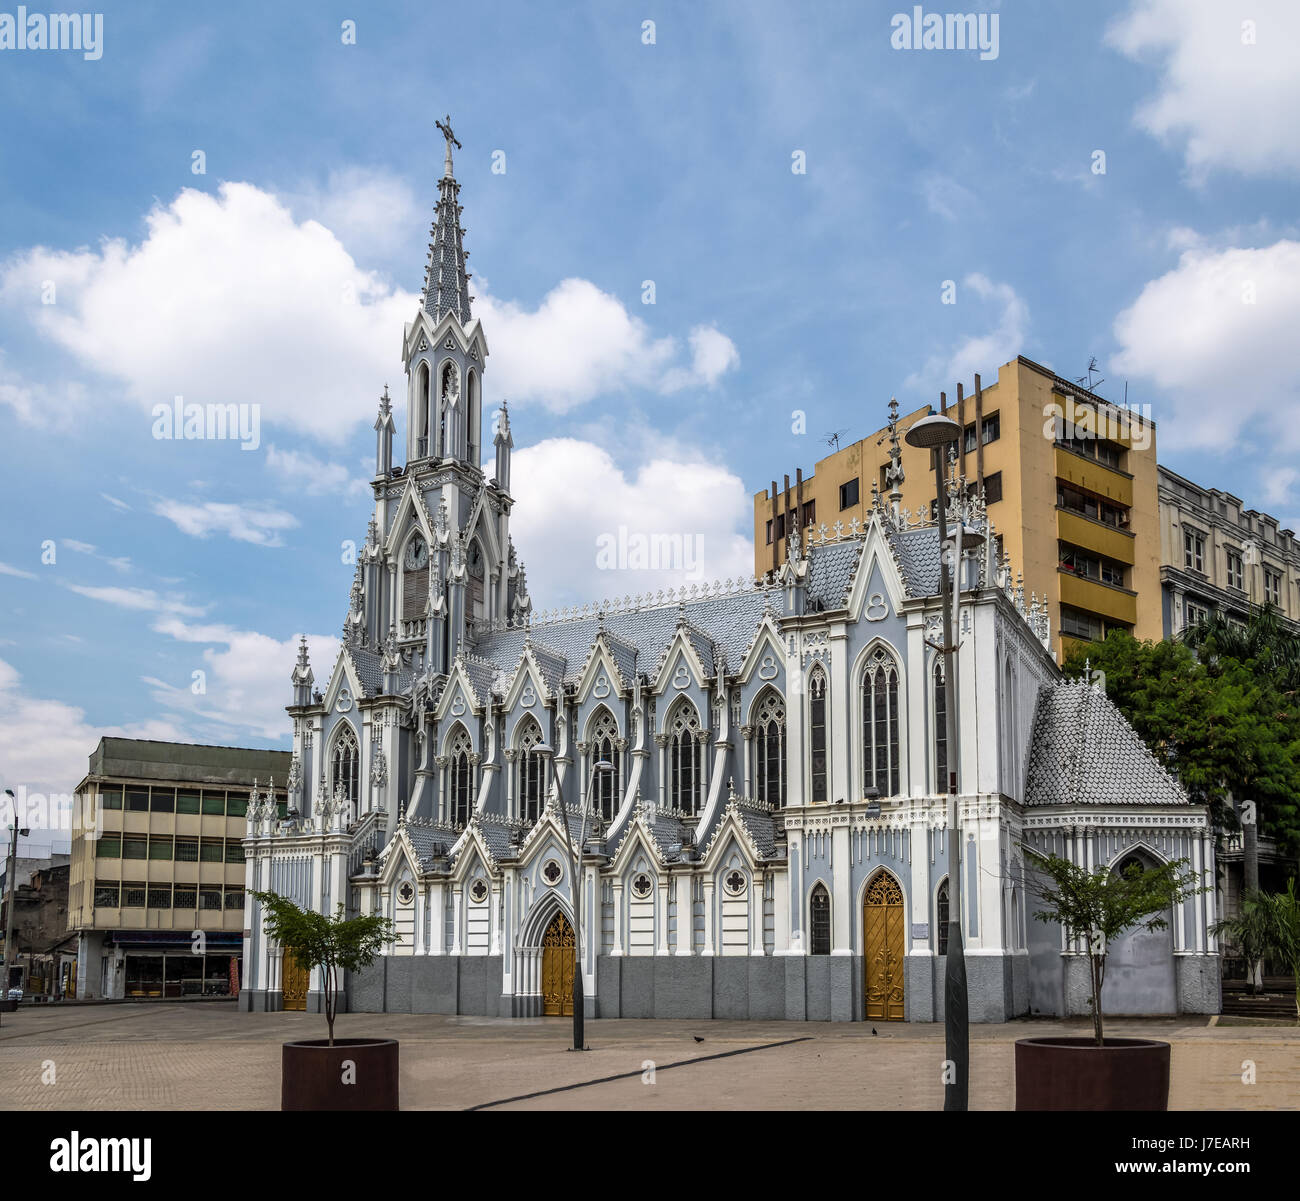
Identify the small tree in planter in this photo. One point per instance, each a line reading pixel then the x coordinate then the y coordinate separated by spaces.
pixel 1251 933
pixel 1098 906
pixel 330 943
pixel 1282 930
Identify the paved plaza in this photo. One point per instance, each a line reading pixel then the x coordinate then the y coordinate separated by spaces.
pixel 208 1056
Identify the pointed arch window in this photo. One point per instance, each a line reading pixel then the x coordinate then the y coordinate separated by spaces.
pixel 422 411
pixel 604 745
pixel 769 749
pixel 460 777
pixel 343 766
pixel 447 391
pixel 531 770
pixel 819 921
pixel 817 734
pixel 415 578
pixel 880 757
pixel 684 759
pixel 473 417
pixel 941 917
pixel 940 728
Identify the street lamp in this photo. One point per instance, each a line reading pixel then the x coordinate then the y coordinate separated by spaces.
pixel 600 767
pixel 936 433
pixel 10 872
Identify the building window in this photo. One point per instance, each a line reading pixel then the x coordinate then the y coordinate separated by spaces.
pixel 769 749
pixel 940 729
pixel 109 846
pixel 1090 566
pixel 684 759
pixel 769 533
pixel 849 494
pixel 135 848
pixel 819 921
pixel 808 515
pixel 993 488
pixel 214 802
pixel 880 724
pixel 1273 587
pixel 817 734
pixel 185 897
pixel 160 846
pixel 460 777
pixel 604 745
pixel 133 894
pixel 187 802
pixel 111 798
pixel 187 850
pixel 1196 614
pixel 1074 500
pixel 108 894
pixel 968 439
pixel 162 800
pixel 1236 572
pixel 1075 623
pixel 160 896
pixel 1085 442
pixel 941 917
pixel 1194 550
pixel 137 800
pixel 210 898
pixel 344 764
pixel 531 769
pixel 212 850
pixel 234 851
pixel 991 430
pixel 234 898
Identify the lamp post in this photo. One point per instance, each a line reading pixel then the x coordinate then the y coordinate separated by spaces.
pixel 600 767
pixel 10 872
pixel 936 433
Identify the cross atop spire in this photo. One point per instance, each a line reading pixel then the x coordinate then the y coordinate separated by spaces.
pixel 446 282
pixel 445 128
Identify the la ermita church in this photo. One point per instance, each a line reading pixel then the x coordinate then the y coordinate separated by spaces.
pixel 772 838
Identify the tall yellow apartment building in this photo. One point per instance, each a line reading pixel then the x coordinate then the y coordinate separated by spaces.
pixel 1070 480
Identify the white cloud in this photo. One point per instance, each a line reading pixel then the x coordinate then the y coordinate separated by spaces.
pixel 945 197
pixel 580 343
pixel 141 600
pixel 372 211
pixel 117 562
pixel 1220 361
pixel 243 523
pixel 120 505
pixel 694 508
pixel 6 569
pixel 1222 97
pixel 307 474
pixel 984 353
pixel 45 744
pixel 246 684
pixel 315 332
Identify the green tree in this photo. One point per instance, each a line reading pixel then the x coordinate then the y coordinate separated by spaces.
pixel 1219 727
pixel 1250 932
pixel 330 943
pixel 1098 906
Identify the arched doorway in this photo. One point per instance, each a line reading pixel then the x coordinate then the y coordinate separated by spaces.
pixel 882 941
pixel 557 968
pixel 294 982
pixel 1140 963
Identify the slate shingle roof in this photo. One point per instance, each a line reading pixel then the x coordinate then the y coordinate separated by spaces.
pixel 429 840
pixel 917 553
pixel 830 571
pixel 370 669
pixel 1083 752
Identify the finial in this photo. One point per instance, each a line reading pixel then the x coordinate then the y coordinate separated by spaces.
pixel 444 127
pixel 302 652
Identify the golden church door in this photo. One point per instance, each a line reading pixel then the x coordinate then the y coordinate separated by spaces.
pixel 882 926
pixel 557 968
pixel 294 982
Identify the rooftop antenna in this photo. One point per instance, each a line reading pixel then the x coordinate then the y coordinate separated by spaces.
pixel 1087 379
pixel 833 438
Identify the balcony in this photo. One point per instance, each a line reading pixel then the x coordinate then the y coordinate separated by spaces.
pixel 1095 536
pixel 1115 485
pixel 1092 596
pixel 410 631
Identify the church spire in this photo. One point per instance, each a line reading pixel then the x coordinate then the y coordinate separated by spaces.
pixel 446 282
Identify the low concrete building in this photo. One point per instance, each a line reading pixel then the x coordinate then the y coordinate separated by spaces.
pixel 156 886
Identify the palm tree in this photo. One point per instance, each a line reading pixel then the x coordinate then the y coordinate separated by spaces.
pixel 1282 922
pixel 1250 932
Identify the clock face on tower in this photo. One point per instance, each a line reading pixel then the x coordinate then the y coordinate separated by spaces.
pixel 417 553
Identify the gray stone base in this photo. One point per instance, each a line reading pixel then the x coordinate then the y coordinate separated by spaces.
pixel 825 988
pixel 1199 980
pixel 252 1000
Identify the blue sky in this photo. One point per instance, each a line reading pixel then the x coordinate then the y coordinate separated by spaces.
pixel 281 275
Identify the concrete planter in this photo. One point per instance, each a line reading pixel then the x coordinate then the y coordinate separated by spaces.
pixel 353 1074
pixel 1076 1074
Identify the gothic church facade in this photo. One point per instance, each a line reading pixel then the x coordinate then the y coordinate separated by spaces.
pixel 754 771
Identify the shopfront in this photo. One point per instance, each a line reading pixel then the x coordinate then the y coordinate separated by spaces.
pixel 161 965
